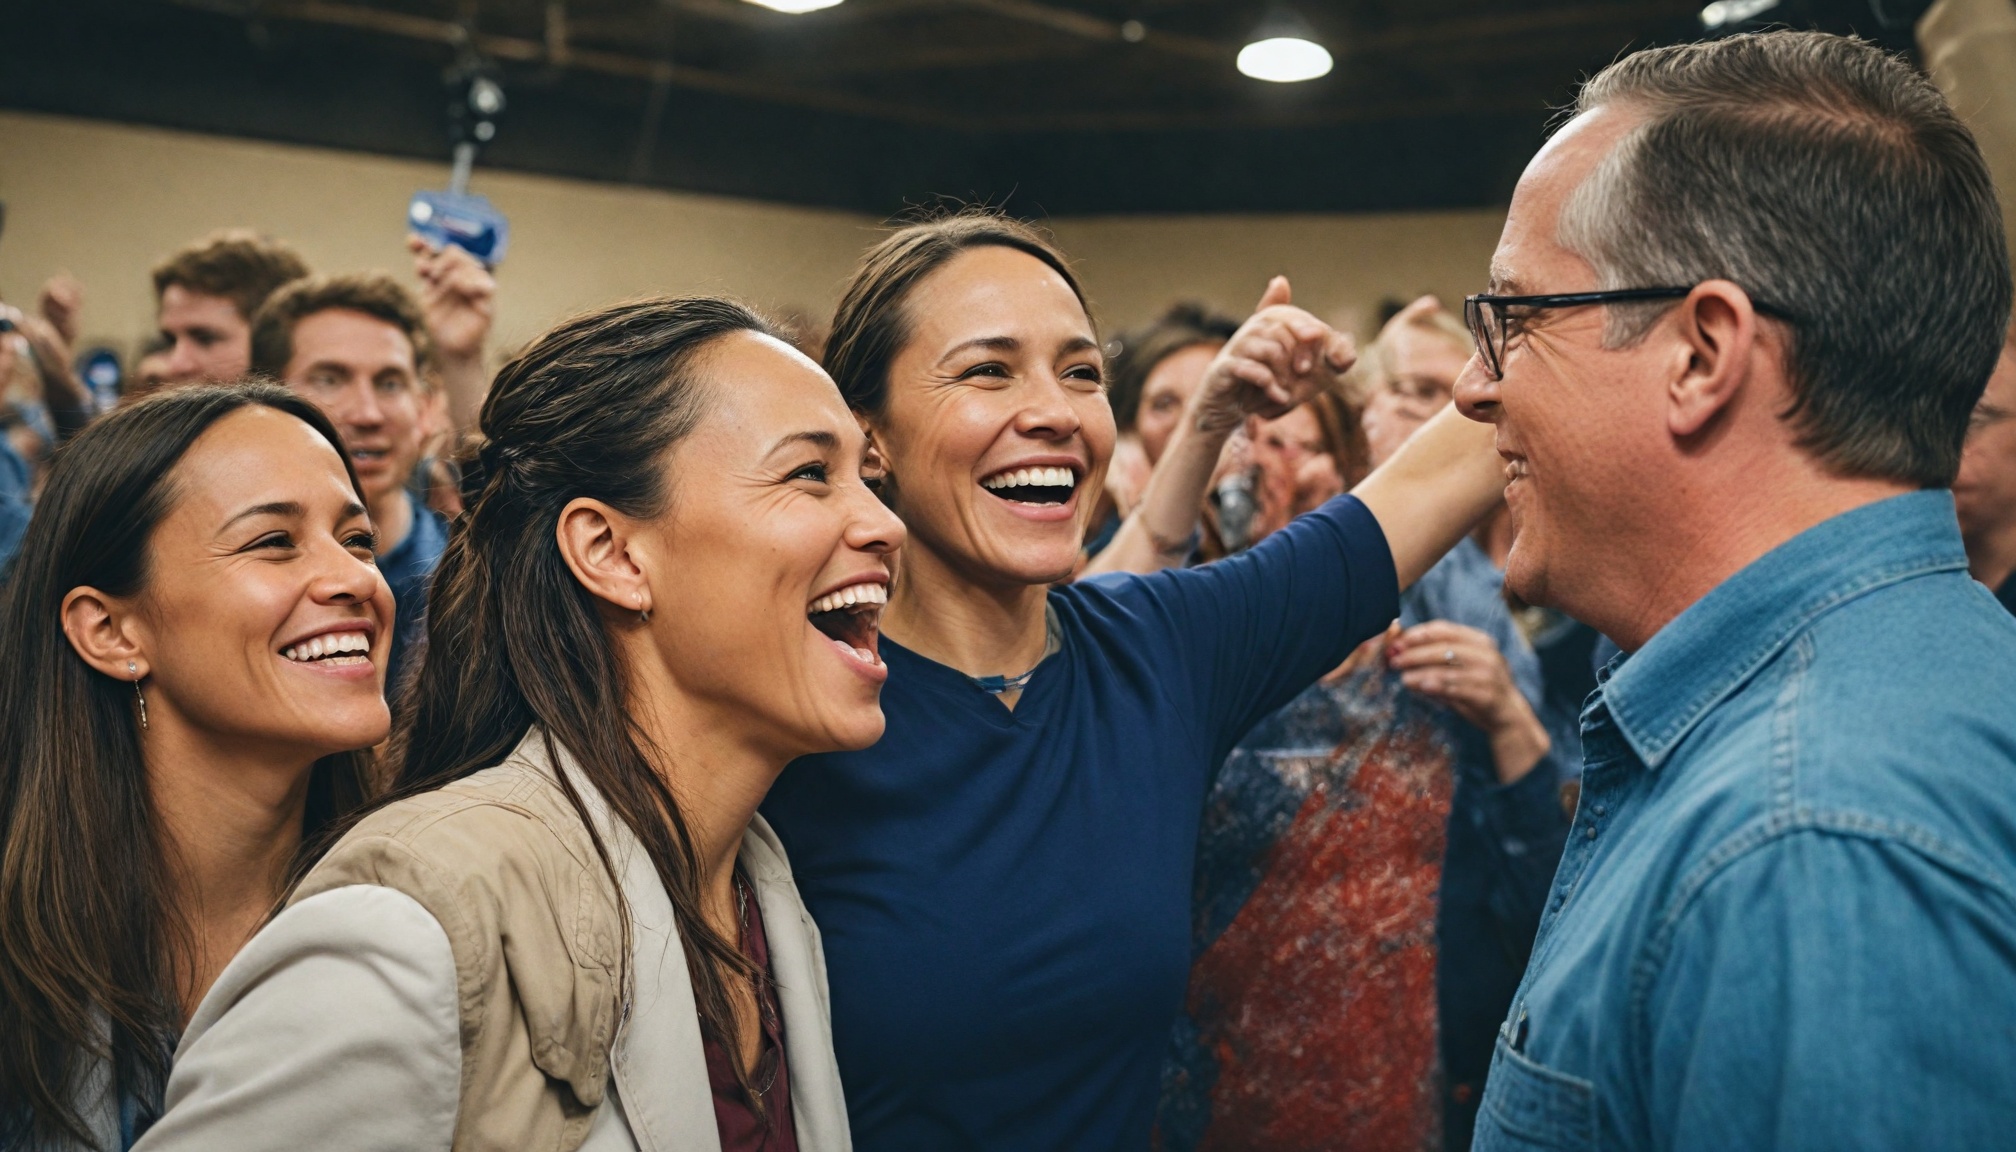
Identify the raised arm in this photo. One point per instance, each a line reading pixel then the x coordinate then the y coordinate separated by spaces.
pixel 1436 488
pixel 458 296
pixel 1279 358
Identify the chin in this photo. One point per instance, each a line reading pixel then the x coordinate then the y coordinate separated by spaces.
pixel 1526 574
pixel 849 730
pixel 1046 562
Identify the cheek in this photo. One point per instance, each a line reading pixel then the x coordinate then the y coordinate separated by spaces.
pixel 214 637
pixel 1095 418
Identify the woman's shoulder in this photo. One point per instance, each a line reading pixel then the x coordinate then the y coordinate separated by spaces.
pixel 489 856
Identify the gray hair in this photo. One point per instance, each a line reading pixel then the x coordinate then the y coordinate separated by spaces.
pixel 1833 183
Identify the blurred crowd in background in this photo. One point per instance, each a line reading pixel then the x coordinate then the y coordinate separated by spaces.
pixel 1375 856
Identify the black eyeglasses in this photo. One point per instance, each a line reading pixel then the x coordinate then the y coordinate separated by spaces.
pixel 1489 318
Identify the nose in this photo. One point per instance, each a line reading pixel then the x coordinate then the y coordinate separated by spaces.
pixel 341 578
pixel 1477 393
pixel 357 405
pixel 182 362
pixel 871 526
pixel 1049 415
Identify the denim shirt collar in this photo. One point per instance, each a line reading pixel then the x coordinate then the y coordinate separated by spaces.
pixel 1657 695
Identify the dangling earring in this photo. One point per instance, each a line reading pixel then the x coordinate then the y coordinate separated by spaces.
pixel 133 670
pixel 643 613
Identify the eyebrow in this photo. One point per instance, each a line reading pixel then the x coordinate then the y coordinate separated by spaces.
pixel 995 343
pixel 1010 344
pixel 1503 283
pixel 276 508
pixel 823 439
pixel 290 508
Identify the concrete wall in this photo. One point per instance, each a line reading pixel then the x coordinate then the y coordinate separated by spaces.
pixel 105 201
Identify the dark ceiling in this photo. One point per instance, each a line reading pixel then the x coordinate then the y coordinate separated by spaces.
pixel 1059 107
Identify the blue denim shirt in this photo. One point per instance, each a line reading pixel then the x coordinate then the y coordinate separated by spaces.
pixel 1786 917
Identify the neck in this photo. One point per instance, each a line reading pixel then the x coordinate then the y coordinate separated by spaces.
pixel 992 629
pixel 711 761
pixel 230 823
pixel 1707 533
pixel 392 515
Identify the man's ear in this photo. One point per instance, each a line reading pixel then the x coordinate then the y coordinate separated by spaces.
pixel 600 549
pixel 106 633
pixel 1717 330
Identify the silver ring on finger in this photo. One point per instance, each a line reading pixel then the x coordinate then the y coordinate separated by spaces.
pixel 1449 657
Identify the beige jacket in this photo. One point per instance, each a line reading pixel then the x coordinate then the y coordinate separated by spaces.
pixel 448 976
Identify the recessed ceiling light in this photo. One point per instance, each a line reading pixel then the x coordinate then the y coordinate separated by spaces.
pixel 1285 59
pixel 795 7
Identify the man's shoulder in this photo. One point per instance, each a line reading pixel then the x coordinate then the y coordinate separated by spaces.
pixel 1892 719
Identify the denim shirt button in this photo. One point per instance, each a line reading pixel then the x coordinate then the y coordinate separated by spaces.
pixel 1592 831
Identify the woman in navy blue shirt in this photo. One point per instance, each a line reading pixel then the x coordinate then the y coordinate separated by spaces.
pixel 1003 882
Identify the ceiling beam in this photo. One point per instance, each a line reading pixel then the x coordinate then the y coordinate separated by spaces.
pixel 333 13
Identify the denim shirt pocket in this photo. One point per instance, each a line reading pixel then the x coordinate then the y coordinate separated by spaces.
pixel 1529 1106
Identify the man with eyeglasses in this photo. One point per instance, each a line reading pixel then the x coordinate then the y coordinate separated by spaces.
pixel 1743 306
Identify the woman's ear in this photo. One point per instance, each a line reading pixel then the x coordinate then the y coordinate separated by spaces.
pixel 106 633
pixel 598 545
pixel 875 470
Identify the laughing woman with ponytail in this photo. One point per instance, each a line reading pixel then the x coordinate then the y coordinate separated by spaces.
pixel 567 927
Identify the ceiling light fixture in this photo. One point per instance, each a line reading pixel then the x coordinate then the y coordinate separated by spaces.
pixel 794 7
pixel 1284 50
pixel 1725 13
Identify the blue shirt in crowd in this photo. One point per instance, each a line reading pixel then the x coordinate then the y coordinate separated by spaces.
pixel 1504 843
pixel 1005 895
pixel 16 482
pixel 408 568
pixel 1786 917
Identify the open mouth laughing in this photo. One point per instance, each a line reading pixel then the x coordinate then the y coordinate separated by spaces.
pixel 850 617
pixel 1039 486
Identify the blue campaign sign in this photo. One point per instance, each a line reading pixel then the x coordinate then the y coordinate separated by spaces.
pixel 465 220
pixel 102 374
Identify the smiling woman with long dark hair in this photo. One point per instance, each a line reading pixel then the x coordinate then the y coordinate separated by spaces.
pixel 193 639
pixel 568 928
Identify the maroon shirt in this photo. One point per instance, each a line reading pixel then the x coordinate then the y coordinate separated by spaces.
pixel 741 1129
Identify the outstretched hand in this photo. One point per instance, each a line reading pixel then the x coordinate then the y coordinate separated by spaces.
pixel 1279 358
pixel 458 298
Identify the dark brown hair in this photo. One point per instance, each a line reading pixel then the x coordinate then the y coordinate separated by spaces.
pixel 89 935
pixel 241 266
pixel 1343 435
pixel 373 293
pixel 871 326
pixel 590 409
pixel 1184 325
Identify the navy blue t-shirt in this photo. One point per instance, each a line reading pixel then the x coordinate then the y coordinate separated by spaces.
pixel 409 569
pixel 1005 896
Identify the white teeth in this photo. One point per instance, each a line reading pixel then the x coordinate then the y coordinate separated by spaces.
pixel 1050 477
pixel 330 646
pixel 850 596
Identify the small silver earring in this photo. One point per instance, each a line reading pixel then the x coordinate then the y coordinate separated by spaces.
pixel 643 613
pixel 133 670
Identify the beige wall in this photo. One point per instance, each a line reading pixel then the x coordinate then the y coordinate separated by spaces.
pixel 1339 266
pixel 105 201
